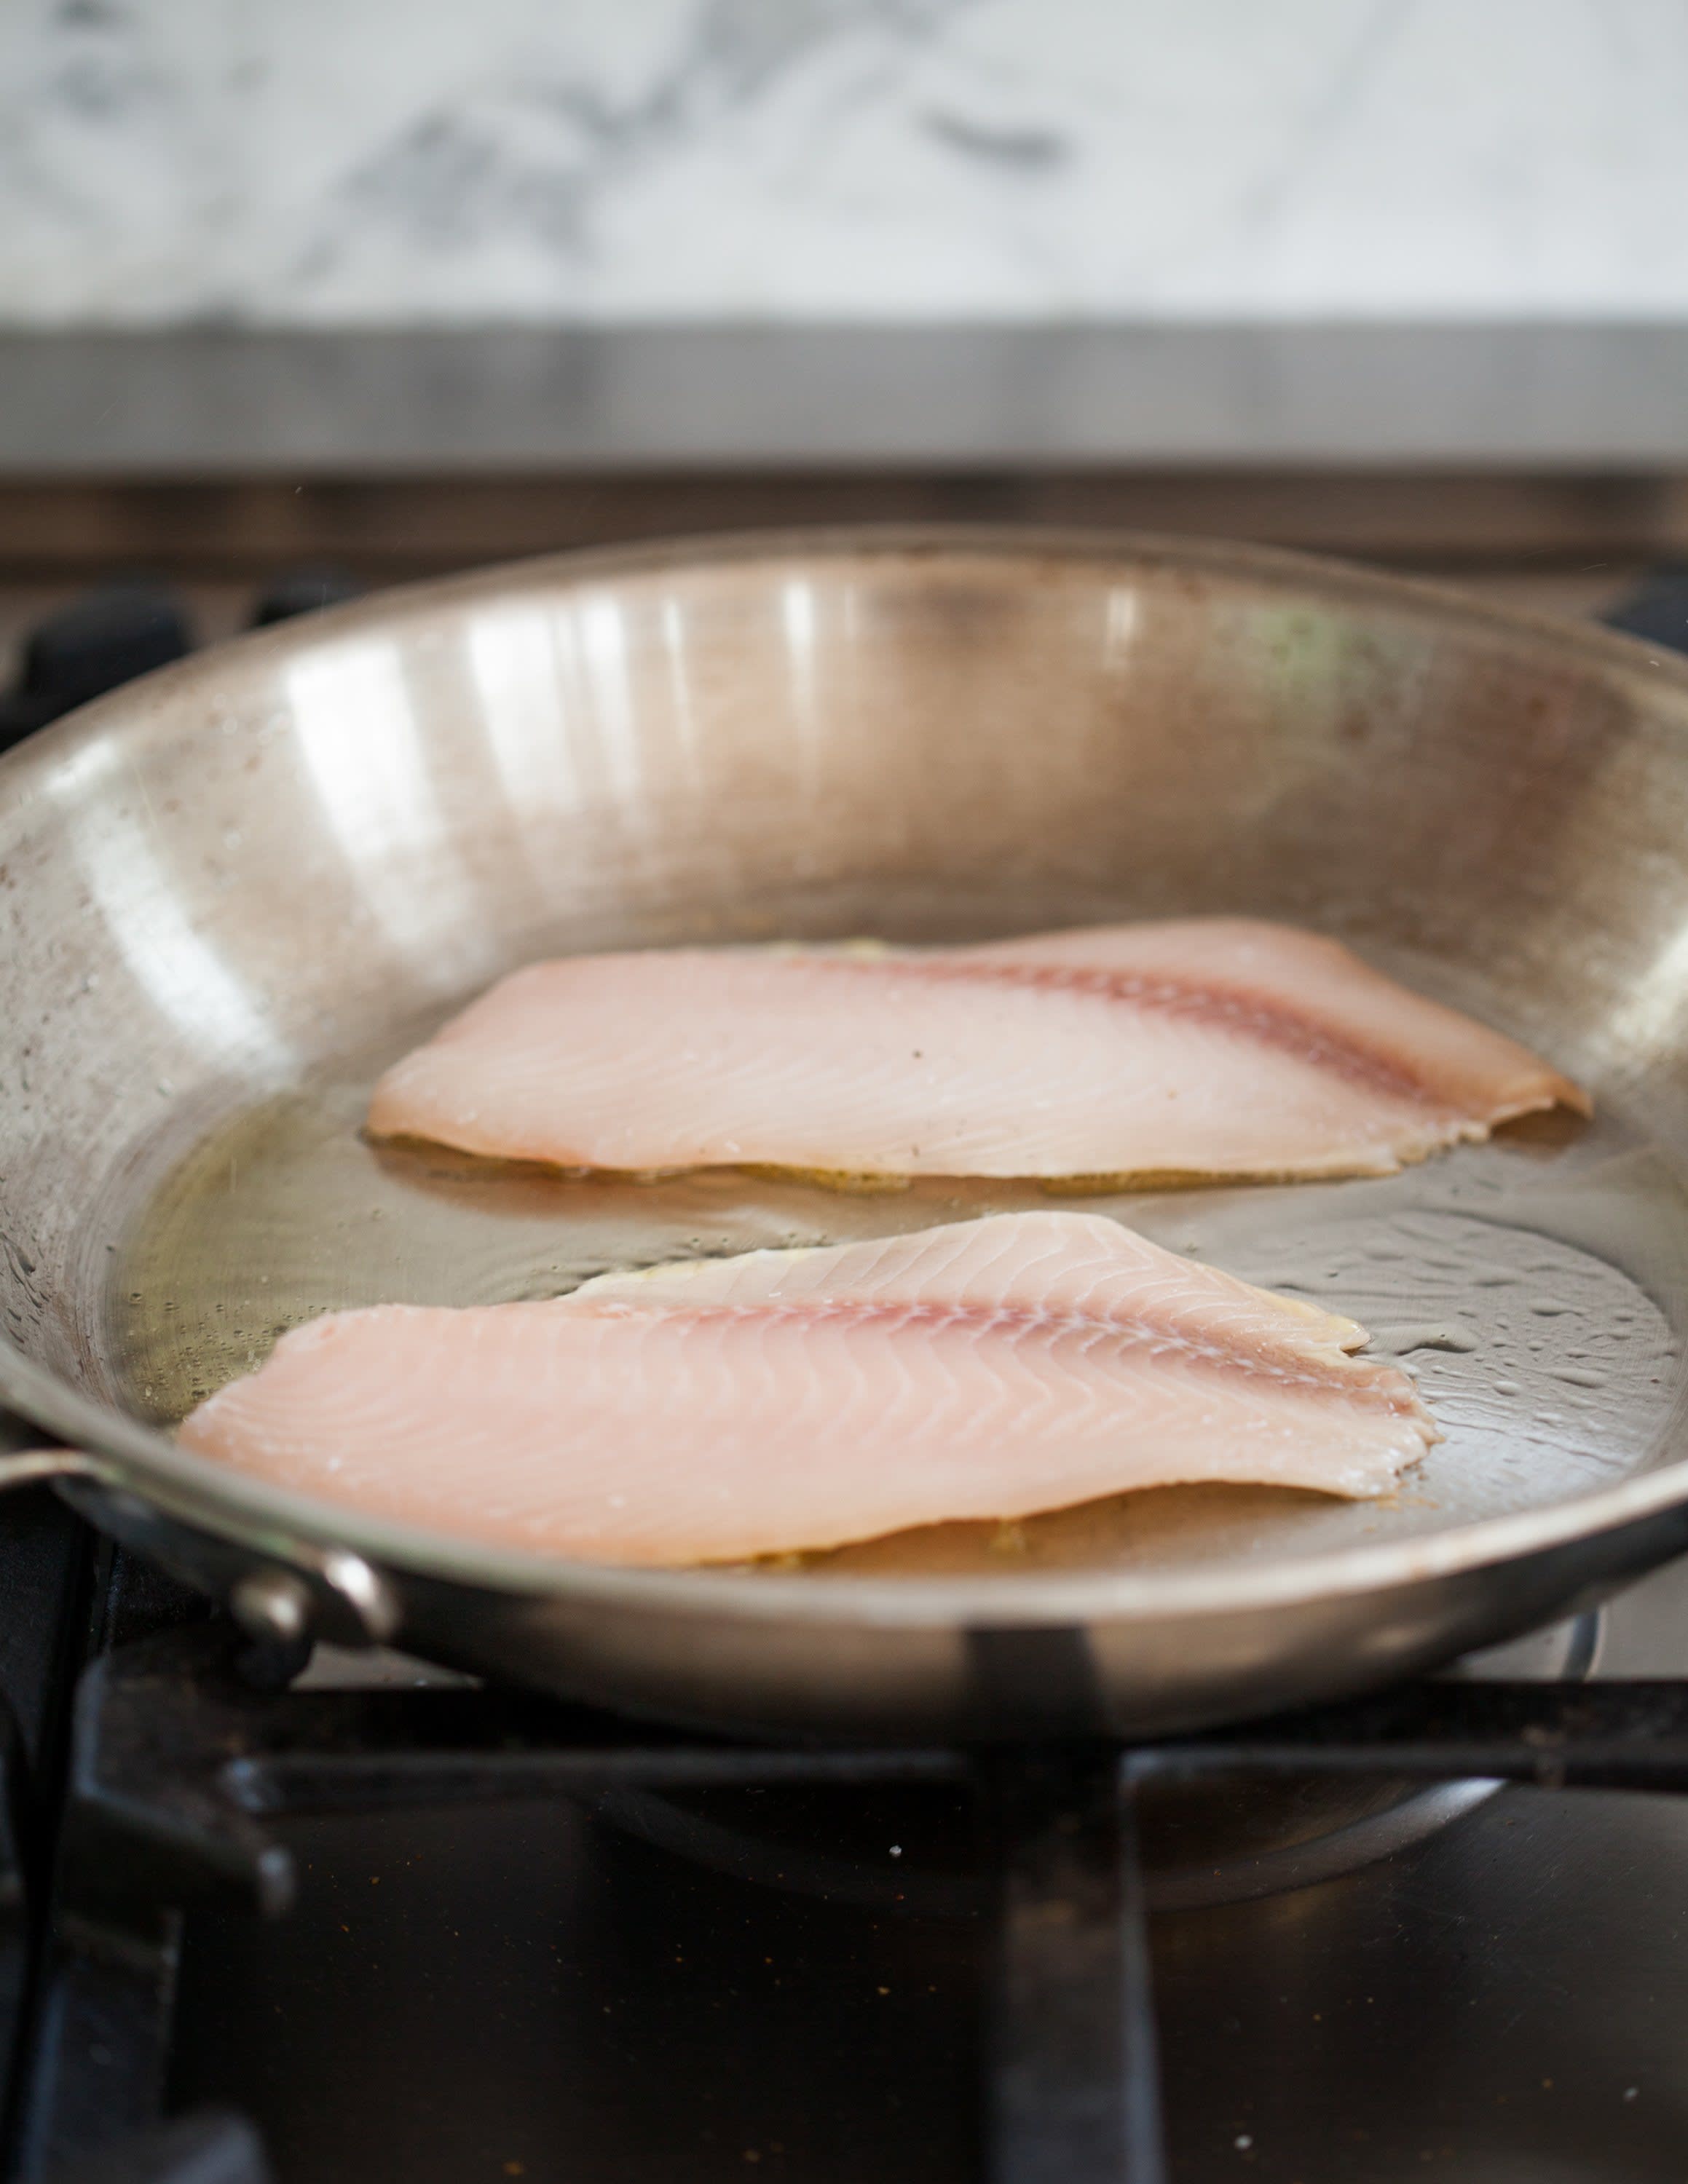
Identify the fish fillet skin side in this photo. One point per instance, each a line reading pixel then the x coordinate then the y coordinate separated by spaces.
pixel 720 1409
pixel 1208 1047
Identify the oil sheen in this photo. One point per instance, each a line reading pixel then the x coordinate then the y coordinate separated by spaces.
pixel 1526 1283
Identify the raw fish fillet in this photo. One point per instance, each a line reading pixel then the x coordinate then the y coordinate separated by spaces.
pixel 723 1408
pixel 1210 1047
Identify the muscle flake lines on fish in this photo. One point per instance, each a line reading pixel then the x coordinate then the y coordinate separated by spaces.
pixel 1202 1048
pixel 722 1409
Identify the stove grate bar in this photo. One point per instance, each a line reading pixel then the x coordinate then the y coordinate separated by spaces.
pixel 1613 1735
pixel 1072 2087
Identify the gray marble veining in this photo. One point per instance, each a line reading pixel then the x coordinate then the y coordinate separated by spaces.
pixel 365 161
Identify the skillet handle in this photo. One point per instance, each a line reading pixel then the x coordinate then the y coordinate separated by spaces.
pixel 272 1599
pixel 25 1466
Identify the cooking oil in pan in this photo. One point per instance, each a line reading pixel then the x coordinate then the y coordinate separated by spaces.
pixel 1533 1286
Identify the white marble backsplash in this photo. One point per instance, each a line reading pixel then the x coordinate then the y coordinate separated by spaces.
pixel 313 162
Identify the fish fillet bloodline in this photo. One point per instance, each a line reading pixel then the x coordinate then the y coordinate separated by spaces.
pixel 1207 1048
pixel 724 1409
pixel 1247 1014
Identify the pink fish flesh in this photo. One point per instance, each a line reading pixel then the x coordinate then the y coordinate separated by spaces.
pixel 1210 1047
pixel 725 1408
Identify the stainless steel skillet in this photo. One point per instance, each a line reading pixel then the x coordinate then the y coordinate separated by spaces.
pixel 230 892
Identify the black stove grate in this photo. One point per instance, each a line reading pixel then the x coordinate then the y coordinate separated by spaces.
pixel 178 1767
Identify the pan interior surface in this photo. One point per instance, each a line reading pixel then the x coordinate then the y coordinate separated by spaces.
pixel 1529 1285
pixel 239 889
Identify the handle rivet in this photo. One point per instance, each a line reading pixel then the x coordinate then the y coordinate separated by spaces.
pixel 272 1606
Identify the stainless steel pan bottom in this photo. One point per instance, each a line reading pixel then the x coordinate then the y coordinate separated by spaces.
pixel 1516 1281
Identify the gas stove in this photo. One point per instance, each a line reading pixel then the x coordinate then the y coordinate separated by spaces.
pixel 376 1921
pixel 326 1916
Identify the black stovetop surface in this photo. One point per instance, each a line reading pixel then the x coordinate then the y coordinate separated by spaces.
pixel 501 1960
